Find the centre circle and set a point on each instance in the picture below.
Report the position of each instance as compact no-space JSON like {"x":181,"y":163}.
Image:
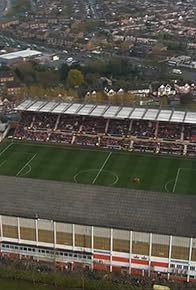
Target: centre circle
{"x":90,"y":176}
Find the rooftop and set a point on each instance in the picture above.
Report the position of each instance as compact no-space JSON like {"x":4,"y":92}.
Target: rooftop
{"x":143,"y":211}
{"x":109,"y":111}
{"x":20,"y":53}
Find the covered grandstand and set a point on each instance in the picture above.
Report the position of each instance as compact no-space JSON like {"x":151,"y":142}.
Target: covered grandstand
{"x":111,"y":229}
{"x":102,"y":228}
{"x":127,"y":128}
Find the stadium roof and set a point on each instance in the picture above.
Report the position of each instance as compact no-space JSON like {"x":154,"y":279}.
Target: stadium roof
{"x":109,"y":111}
{"x":21,"y":53}
{"x":122,"y":208}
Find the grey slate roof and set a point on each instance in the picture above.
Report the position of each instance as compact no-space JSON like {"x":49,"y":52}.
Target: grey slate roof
{"x":162,"y":213}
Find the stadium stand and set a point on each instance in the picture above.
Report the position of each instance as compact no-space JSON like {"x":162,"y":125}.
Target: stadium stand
{"x":139,"y":129}
{"x":143,"y":129}
{"x":102,"y":228}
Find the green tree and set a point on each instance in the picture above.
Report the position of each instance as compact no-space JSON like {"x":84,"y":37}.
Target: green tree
{"x":75,"y":78}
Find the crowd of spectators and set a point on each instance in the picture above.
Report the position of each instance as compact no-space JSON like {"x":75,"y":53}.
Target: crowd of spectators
{"x":22,"y":133}
{"x":93,"y":125}
{"x":116,"y":143}
{"x":145,"y":146}
{"x":27,"y":119}
{"x":138,"y":135}
{"x":169,"y":131}
{"x":171,"y":148}
{"x":118,"y":127}
{"x":44,"y":121}
{"x":191,"y":150}
{"x":86,"y":140}
{"x":189,"y":132}
{"x":69,"y":123}
{"x":143,"y":128}
{"x":61,"y":138}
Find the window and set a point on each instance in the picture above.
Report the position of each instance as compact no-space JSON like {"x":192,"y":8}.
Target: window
{"x":29,"y":249}
{"x":61,"y":253}
{"x":179,"y":266}
{"x":185,"y":267}
{"x":192,"y":268}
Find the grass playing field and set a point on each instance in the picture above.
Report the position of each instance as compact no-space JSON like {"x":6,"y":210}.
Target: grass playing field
{"x":100,"y":167}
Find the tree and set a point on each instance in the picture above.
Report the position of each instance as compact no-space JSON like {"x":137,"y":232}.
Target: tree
{"x":75,"y":78}
{"x":186,"y":99}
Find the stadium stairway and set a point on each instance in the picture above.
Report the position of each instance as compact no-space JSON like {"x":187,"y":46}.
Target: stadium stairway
{"x":185,"y":149}
{"x":130,"y":126}
{"x":57,"y":122}
{"x":31,"y":126}
{"x":73,"y":139}
{"x":182,"y":134}
{"x":107,"y":125}
{"x":156,"y":129}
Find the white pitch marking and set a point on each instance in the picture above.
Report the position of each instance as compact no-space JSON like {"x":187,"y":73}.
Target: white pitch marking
{"x":26,"y":164}
{"x":6,"y":148}
{"x":29,"y":170}
{"x":176,"y":179}
{"x":102,"y":167}
{"x":2,"y":163}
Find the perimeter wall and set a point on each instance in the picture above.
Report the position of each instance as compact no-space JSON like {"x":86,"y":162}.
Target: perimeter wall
{"x":98,"y":248}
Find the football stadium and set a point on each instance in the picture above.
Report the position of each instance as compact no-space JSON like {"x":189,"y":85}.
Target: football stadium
{"x":101,"y":187}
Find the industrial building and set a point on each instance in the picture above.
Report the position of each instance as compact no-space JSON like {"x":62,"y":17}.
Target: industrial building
{"x":111,"y":229}
{"x":13,"y":57}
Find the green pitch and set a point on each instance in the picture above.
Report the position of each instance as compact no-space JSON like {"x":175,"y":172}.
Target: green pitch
{"x":91,"y":166}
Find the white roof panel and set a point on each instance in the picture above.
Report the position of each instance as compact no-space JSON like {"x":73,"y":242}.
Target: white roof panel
{"x":36,"y":106}
{"x":99,"y":110}
{"x":177,"y":116}
{"x":24,"y":105}
{"x":61,"y":108}
{"x":164,"y":115}
{"x":124,"y":112}
{"x":21,"y":53}
{"x":86,"y":109}
{"x":73,"y":109}
{"x":111,"y":112}
{"x":48,"y":107}
{"x":137,"y":113}
{"x":190,"y":118}
{"x":150,"y":114}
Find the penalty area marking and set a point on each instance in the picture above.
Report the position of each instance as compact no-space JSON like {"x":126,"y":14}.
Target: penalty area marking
{"x":29,"y":170}
{"x":166,"y":185}
{"x":6,"y":148}
{"x":1,"y":164}
{"x":26,"y":164}
{"x":116,"y":178}
{"x":177,"y":176}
